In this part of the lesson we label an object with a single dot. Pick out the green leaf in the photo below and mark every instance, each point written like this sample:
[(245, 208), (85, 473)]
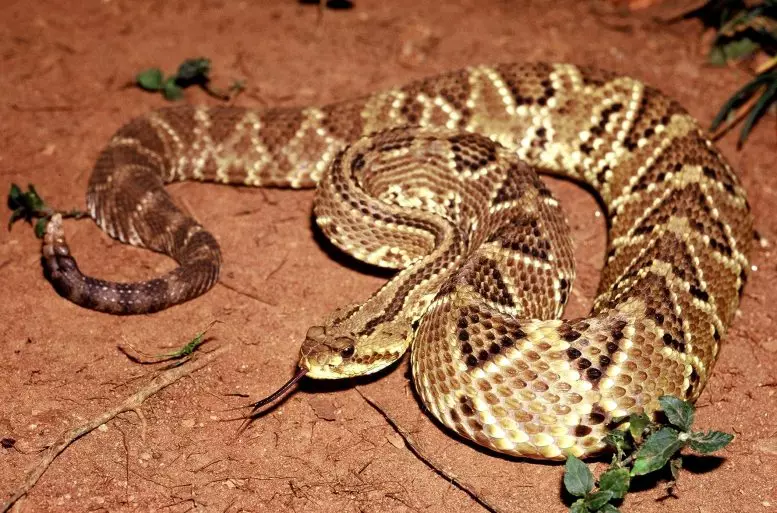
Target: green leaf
[(711, 441), (759, 110), (738, 48), (675, 466), (14, 197), (617, 440), (15, 216), (598, 499), (194, 70), (171, 91), (25, 205), (679, 412), (578, 480), (578, 507), (34, 200), (739, 97), (615, 481), (609, 508), (40, 227), (637, 424), (655, 453), (150, 79)]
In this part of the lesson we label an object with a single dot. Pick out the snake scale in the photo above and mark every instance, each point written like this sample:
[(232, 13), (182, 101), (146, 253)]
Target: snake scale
[(438, 179)]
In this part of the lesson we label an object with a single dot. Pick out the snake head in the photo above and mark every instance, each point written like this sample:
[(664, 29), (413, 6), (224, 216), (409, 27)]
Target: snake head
[(331, 353), (327, 355)]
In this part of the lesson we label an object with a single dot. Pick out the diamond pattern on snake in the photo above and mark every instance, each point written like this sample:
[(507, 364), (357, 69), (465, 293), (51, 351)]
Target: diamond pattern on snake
[(438, 179)]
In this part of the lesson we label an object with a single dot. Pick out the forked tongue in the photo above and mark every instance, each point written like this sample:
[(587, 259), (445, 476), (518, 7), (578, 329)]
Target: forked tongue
[(255, 407)]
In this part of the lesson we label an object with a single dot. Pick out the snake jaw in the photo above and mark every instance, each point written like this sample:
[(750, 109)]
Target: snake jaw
[(341, 368)]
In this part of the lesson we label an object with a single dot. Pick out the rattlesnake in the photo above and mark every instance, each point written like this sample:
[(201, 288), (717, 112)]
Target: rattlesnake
[(439, 181)]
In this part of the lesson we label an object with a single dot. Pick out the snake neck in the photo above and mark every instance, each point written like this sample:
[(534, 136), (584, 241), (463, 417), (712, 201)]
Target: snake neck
[(365, 338)]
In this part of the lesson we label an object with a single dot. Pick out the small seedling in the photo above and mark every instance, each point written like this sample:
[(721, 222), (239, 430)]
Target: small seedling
[(178, 357), (641, 446), (29, 205), (191, 72)]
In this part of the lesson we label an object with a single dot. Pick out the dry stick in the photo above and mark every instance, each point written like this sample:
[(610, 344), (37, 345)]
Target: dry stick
[(429, 460), (131, 403), (246, 293)]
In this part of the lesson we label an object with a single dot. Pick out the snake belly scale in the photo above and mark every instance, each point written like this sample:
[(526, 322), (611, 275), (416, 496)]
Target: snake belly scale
[(438, 180)]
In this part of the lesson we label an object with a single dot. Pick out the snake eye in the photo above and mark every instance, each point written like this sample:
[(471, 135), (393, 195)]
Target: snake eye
[(348, 351)]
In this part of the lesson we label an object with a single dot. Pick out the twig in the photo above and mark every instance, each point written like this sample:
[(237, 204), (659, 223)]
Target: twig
[(247, 294), (126, 465), (429, 460), (277, 268), (131, 403)]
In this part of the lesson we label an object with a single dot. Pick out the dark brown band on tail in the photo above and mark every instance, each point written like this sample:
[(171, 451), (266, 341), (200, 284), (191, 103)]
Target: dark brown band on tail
[(196, 274)]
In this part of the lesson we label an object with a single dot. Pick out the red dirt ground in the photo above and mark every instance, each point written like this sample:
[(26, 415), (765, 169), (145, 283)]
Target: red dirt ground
[(65, 66)]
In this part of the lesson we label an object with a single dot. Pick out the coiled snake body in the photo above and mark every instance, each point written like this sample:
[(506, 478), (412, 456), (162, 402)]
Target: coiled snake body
[(437, 179)]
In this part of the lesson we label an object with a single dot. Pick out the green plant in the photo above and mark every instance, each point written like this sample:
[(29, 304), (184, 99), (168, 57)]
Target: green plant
[(743, 31), (29, 205), (177, 357), (191, 72), (640, 446)]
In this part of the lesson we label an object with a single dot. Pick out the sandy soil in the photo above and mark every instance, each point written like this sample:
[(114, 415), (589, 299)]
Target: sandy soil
[(65, 66)]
